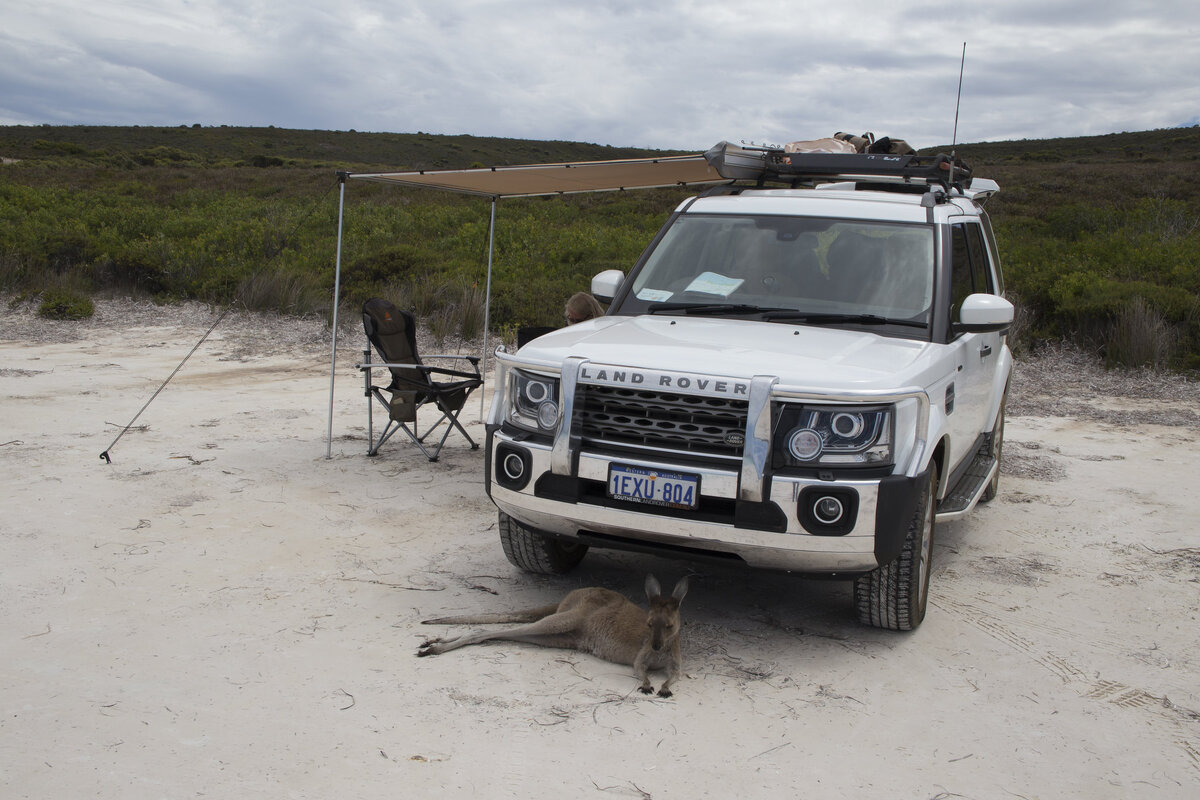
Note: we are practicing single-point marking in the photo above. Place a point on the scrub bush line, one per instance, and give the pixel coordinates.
(1100, 238)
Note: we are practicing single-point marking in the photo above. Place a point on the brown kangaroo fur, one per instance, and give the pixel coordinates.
(596, 621)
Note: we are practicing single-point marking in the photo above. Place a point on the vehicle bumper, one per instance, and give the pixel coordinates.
(769, 534)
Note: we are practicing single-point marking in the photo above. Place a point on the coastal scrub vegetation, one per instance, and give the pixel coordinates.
(1100, 235)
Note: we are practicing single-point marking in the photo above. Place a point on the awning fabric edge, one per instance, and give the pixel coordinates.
(563, 178)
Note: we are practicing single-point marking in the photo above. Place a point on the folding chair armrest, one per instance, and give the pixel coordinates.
(456, 373)
(363, 366)
(423, 368)
(472, 359)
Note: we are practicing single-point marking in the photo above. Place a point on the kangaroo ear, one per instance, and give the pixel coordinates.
(653, 590)
(680, 589)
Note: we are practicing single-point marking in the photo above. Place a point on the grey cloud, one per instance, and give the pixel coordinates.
(680, 74)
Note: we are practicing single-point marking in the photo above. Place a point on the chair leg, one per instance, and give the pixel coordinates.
(394, 426)
(419, 440)
(441, 443)
(454, 421)
(431, 428)
(371, 448)
(431, 452)
(452, 416)
(370, 391)
(388, 430)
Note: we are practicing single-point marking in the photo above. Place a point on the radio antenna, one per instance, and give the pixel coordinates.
(958, 100)
(957, 103)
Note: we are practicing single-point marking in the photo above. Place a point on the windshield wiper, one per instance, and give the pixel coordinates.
(780, 314)
(713, 308)
(836, 319)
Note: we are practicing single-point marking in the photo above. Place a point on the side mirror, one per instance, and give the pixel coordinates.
(984, 313)
(606, 284)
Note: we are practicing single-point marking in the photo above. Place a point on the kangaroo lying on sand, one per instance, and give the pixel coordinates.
(596, 621)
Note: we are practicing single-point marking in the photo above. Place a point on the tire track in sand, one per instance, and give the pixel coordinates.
(1185, 721)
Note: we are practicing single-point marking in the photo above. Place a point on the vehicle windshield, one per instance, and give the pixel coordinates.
(789, 269)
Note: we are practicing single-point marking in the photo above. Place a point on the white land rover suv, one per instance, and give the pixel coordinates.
(803, 378)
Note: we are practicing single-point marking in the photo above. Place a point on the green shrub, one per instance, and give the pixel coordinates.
(1109, 274)
(134, 270)
(395, 266)
(65, 304)
(63, 248)
(165, 156)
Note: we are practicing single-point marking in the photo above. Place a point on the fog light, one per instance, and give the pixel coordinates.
(825, 510)
(828, 510)
(513, 466)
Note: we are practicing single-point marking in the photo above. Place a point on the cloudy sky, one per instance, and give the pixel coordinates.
(677, 74)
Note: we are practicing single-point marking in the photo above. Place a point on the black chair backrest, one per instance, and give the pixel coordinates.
(528, 333)
(393, 333)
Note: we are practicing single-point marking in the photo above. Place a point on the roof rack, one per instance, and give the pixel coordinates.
(771, 164)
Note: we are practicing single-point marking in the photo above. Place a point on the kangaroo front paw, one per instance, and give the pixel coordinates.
(646, 689)
(664, 692)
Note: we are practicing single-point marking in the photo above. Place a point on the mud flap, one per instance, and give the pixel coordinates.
(898, 498)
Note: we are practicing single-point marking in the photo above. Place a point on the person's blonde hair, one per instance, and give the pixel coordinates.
(582, 306)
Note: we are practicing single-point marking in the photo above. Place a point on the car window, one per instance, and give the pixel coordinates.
(809, 265)
(969, 271)
(981, 275)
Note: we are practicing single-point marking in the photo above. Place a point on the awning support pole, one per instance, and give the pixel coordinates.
(337, 291)
(487, 305)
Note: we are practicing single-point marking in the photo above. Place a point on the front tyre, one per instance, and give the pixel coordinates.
(895, 595)
(534, 551)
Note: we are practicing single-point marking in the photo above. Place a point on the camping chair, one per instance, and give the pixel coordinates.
(393, 333)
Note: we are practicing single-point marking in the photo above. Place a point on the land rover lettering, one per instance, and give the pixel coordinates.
(706, 385)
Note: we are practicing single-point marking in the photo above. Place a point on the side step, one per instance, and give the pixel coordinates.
(959, 501)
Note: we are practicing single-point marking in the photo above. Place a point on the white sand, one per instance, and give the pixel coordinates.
(223, 612)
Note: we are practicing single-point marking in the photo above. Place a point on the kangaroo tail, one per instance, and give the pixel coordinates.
(530, 615)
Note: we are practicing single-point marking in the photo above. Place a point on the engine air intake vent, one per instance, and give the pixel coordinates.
(706, 427)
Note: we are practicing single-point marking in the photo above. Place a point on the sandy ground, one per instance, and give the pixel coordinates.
(224, 612)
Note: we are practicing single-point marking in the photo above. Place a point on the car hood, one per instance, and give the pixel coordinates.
(801, 356)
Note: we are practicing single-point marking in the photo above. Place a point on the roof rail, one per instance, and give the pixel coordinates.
(763, 164)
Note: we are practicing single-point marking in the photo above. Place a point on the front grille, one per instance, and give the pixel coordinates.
(705, 427)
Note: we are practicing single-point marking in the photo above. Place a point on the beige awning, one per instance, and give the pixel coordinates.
(525, 181)
(567, 178)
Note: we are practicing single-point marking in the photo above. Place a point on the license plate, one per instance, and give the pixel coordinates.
(654, 487)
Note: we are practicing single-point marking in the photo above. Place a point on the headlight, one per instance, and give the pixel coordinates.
(532, 401)
(828, 436)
